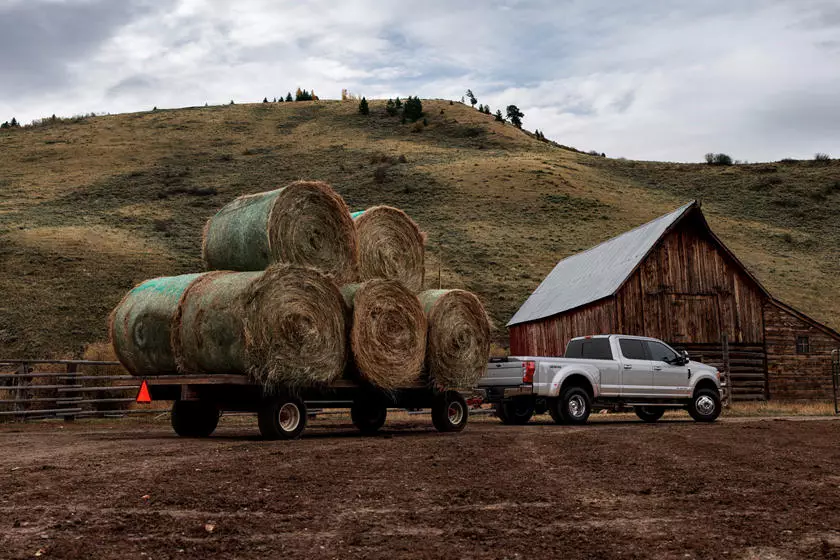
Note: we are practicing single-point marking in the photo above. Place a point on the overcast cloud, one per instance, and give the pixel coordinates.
(757, 79)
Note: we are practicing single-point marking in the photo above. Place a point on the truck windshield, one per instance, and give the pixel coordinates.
(590, 349)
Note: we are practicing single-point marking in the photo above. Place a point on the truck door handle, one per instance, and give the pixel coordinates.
(628, 366)
(657, 368)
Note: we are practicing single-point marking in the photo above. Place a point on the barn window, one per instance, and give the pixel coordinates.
(803, 345)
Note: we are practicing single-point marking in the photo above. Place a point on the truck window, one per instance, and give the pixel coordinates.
(573, 349)
(596, 349)
(661, 353)
(633, 349)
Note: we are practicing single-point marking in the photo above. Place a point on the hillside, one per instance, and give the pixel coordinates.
(89, 209)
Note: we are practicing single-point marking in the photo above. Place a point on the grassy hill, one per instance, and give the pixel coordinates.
(89, 209)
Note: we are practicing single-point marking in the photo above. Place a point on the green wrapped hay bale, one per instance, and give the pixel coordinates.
(295, 328)
(140, 325)
(208, 329)
(388, 333)
(305, 223)
(390, 246)
(459, 338)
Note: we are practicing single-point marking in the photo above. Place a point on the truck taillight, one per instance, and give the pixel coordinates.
(528, 369)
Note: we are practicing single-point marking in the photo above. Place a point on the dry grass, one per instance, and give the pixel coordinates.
(781, 408)
(500, 208)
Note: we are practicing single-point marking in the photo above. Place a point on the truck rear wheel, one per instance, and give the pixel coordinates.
(282, 418)
(450, 412)
(515, 411)
(705, 406)
(573, 406)
(649, 413)
(196, 419)
(368, 415)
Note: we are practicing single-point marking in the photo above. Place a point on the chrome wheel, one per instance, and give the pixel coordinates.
(705, 405)
(455, 413)
(577, 406)
(289, 417)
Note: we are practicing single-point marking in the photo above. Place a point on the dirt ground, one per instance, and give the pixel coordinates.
(741, 488)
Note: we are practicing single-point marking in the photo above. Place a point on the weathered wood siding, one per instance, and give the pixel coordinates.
(688, 291)
(792, 375)
(747, 367)
(549, 337)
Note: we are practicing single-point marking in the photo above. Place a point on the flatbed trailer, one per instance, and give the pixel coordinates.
(198, 402)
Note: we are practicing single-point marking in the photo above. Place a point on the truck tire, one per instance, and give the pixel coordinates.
(515, 412)
(573, 406)
(195, 419)
(368, 415)
(705, 405)
(649, 413)
(282, 418)
(450, 412)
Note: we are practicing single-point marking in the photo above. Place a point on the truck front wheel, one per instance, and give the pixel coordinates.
(705, 406)
(573, 407)
(196, 419)
(515, 411)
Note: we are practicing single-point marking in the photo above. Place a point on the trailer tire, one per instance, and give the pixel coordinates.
(450, 412)
(649, 413)
(705, 405)
(515, 412)
(194, 419)
(282, 418)
(368, 415)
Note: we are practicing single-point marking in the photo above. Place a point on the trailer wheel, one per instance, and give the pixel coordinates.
(368, 415)
(705, 406)
(282, 418)
(195, 419)
(515, 411)
(450, 412)
(649, 413)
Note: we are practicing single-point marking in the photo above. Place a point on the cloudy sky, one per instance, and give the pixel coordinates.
(663, 80)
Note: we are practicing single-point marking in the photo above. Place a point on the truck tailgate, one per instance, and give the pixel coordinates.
(502, 374)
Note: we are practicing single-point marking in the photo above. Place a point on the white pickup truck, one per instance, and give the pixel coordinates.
(601, 372)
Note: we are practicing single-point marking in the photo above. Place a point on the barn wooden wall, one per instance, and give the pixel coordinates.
(550, 336)
(689, 292)
(791, 375)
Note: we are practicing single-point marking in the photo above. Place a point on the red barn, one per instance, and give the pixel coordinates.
(674, 279)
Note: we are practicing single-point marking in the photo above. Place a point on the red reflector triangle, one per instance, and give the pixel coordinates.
(143, 395)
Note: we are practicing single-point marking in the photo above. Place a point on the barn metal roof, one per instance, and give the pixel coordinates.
(597, 272)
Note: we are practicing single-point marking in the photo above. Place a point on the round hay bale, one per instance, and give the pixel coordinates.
(388, 333)
(295, 328)
(208, 329)
(390, 246)
(459, 338)
(305, 223)
(140, 325)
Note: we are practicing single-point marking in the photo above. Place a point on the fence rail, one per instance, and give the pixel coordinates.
(26, 393)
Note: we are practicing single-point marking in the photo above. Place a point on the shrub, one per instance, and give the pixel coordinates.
(363, 107)
(391, 108)
(718, 159)
(417, 126)
(821, 157)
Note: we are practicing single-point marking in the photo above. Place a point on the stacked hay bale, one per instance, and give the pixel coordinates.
(301, 292)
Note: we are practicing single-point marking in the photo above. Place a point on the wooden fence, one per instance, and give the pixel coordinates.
(58, 389)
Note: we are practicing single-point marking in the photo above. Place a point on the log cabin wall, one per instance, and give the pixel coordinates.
(798, 355)
(549, 336)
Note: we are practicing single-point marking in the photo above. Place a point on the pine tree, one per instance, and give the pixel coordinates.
(397, 103)
(289, 96)
(515, 116)
(363, 107)
(265, 99)
(499, 116)
(471, 97)
(5, 125)
(391, 108)
(413, 108)
(487, 109)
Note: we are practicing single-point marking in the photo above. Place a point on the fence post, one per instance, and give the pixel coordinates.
(19, 383)
(71, 380)
(727, 399)
(835, 376)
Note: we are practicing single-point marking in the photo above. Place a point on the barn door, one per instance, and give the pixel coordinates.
(695, 319)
